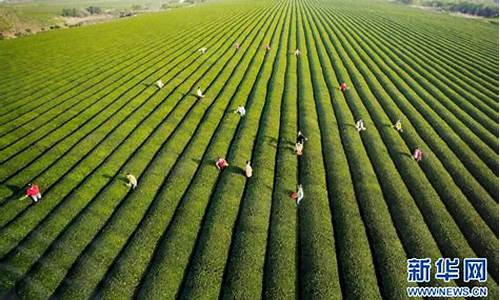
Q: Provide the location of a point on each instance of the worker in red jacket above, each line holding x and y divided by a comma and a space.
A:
343, 87
221, 164
418, 155
34, 192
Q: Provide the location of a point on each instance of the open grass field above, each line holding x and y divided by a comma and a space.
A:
25, 17
79, 110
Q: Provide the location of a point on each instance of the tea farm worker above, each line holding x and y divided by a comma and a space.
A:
159, 83
299, 148
199, 93
360, 125
343, 87
248, 169
299, 195
398, 126
418, 155
241, 111
221, 164
301, 138
34, 192
132, 181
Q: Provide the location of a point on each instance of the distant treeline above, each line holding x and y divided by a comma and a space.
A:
95, 10
478, 9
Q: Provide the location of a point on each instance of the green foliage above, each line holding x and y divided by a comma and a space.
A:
94, 10
74, 12
483, 10
486, 9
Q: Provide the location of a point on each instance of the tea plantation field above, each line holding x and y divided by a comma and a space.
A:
79, 110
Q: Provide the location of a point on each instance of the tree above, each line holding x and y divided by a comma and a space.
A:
68, 12
73, 12
94, 10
